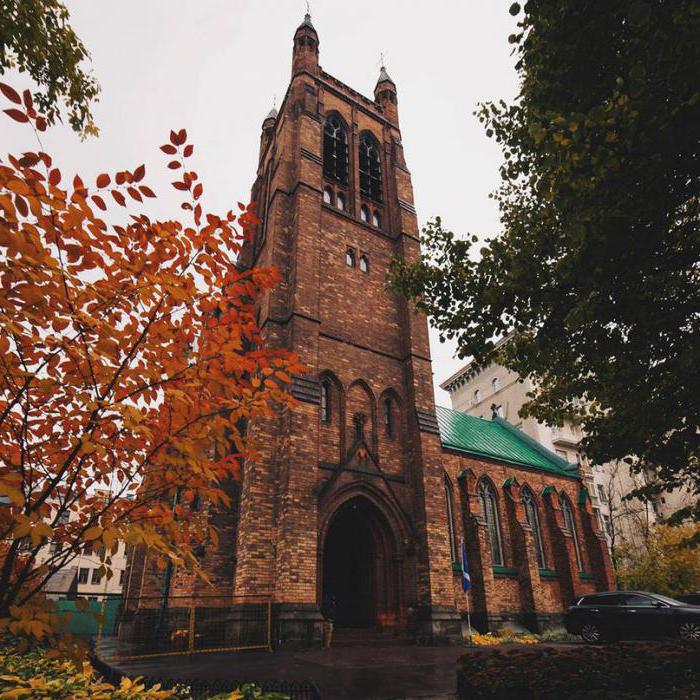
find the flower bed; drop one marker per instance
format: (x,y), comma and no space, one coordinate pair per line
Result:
(623,670)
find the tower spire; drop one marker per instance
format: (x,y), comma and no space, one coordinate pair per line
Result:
(305,55)
(385,92)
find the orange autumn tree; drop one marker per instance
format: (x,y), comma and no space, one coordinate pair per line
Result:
(130,356)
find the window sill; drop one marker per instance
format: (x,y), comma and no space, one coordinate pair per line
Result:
(548,573)
(585,576)
(505,571)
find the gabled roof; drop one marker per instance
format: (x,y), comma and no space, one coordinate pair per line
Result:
(497,439)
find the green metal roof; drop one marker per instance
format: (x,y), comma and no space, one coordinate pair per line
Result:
(497,439)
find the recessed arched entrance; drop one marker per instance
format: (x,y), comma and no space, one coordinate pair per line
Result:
(360,572)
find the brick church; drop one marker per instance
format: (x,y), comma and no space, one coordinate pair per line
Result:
(361,496)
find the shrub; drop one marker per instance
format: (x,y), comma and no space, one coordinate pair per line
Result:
(557,634)
(623,670)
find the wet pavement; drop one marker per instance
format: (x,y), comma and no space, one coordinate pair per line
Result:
(367,673)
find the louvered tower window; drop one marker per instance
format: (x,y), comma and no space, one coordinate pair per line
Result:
(370,168)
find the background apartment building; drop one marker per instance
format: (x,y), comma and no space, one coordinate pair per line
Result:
(496,389)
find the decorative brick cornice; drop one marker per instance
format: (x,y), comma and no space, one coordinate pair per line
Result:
(306,389)
(427,422)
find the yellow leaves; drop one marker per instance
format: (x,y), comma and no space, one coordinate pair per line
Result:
(109,536)
(92,533)
(13,493)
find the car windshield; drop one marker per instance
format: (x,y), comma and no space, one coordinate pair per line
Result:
(667,600)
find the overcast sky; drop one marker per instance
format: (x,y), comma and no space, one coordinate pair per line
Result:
(215,67)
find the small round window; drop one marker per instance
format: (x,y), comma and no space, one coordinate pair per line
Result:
(364,213)
(376,220)
(364,263)
(340,201)
(328,196)
(350,257)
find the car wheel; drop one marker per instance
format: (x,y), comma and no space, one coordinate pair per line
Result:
(690,630)
(591,633)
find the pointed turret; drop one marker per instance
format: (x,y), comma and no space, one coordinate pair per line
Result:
(305,54)
(385,95)
(268,130)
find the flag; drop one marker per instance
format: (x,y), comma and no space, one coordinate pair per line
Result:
(466,580)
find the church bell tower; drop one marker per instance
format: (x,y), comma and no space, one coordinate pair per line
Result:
(343,513)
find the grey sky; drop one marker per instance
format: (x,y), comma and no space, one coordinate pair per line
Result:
(213,67)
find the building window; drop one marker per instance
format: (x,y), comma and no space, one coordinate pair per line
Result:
(370,168)
(607,521)
(571,527)
(325,403)
(495,386)
(121,577)
(376,220)
(327,195)
(563,454)
(350,257)
(83,575)
(533,521)
(389,417)
(489,511)
(364,213)
(450,520)
(601,493)
(477,396)
(335,150)
(364,263)
(95,576)
(340,201)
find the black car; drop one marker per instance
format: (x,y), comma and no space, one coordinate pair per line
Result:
(632,615)
(692,598)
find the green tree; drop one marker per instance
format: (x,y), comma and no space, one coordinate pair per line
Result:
(36,38)
(665,564)
(596,274)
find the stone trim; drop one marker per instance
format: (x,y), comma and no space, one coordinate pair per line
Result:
(305,153)
(407,206)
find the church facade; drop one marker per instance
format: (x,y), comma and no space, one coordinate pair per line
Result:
(360,498)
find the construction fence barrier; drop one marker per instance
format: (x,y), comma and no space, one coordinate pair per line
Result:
(126,628)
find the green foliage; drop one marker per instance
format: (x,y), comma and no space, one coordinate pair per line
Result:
(557,634)
(665,564)
(36,38)
(596,272)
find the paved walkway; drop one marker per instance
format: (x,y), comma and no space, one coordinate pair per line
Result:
(367,673)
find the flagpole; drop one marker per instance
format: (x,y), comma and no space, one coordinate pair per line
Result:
(466,585)
(469,620)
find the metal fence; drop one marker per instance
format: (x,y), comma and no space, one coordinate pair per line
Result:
(149,627)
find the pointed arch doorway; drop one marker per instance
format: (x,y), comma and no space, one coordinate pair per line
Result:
(360,567)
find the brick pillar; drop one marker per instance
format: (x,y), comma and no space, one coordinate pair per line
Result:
(562,547)
(532,599)
(476,538)
(597,546)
